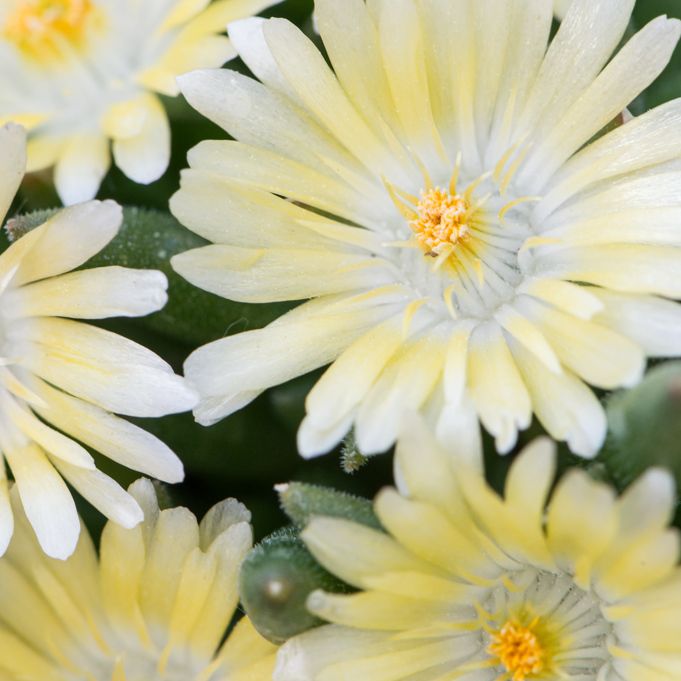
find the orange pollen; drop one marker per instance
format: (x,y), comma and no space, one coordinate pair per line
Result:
(519,650)
(41,27)
(442,221)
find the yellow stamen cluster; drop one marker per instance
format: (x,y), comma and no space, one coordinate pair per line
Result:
(519,650)
(442,221)
(42,28)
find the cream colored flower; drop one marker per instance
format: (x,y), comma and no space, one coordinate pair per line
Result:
(468,585)
(83,73)
(467,252)
(153,607)
(60,379)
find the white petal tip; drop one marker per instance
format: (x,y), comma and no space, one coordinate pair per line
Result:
(661,483)
(309,449)
(190,82)
(59,550)
(173,474)
(242,27)
(130,517)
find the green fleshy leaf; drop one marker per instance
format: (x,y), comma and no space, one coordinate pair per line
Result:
(645,428)
(276,579)
(301,502)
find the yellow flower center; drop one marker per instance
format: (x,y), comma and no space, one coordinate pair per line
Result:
(518,648)
(42,29)
(442,222)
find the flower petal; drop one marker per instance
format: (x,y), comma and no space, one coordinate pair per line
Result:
(115,438)
(81,167)
(106,369)
(144,157)
(496,387)
(47,501)
(564,405)
(12,164)
(68,240)
(314,335)
(104,493)
(91,294)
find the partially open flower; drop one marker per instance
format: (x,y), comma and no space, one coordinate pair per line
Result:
(82,73)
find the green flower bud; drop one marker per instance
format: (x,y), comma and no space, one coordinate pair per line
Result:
(301,502)
(276,579)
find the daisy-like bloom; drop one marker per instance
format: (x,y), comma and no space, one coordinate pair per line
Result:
(83,73)
(467,254)
(60,379)
(154,606)
(471,586)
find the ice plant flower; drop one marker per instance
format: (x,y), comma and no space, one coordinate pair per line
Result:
(466,584)
(83,73)
(154,606)
(61,379)
(467,252)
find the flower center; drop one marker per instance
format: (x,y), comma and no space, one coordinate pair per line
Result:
(518,649)
(42,29)
(459,241)
(539,625)
(443,221)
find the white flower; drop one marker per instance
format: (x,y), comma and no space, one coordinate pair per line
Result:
(469,253)
(80,73)
(60,379)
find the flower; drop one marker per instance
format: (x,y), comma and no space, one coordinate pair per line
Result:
(469,585)
(153,607)
(467,252)
(82,73)
(60,379)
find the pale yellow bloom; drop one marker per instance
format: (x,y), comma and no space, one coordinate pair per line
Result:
(468,253)
(61,379)
(154,606)
(466,584)
(84,73)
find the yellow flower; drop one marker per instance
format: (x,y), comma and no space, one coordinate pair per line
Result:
(154,606)
(60,379)
(468,253)
(83,73)
(469,585)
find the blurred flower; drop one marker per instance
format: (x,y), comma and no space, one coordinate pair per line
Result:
(80,73)
(153,607)
(469,585)
(469,254)
(60,379)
